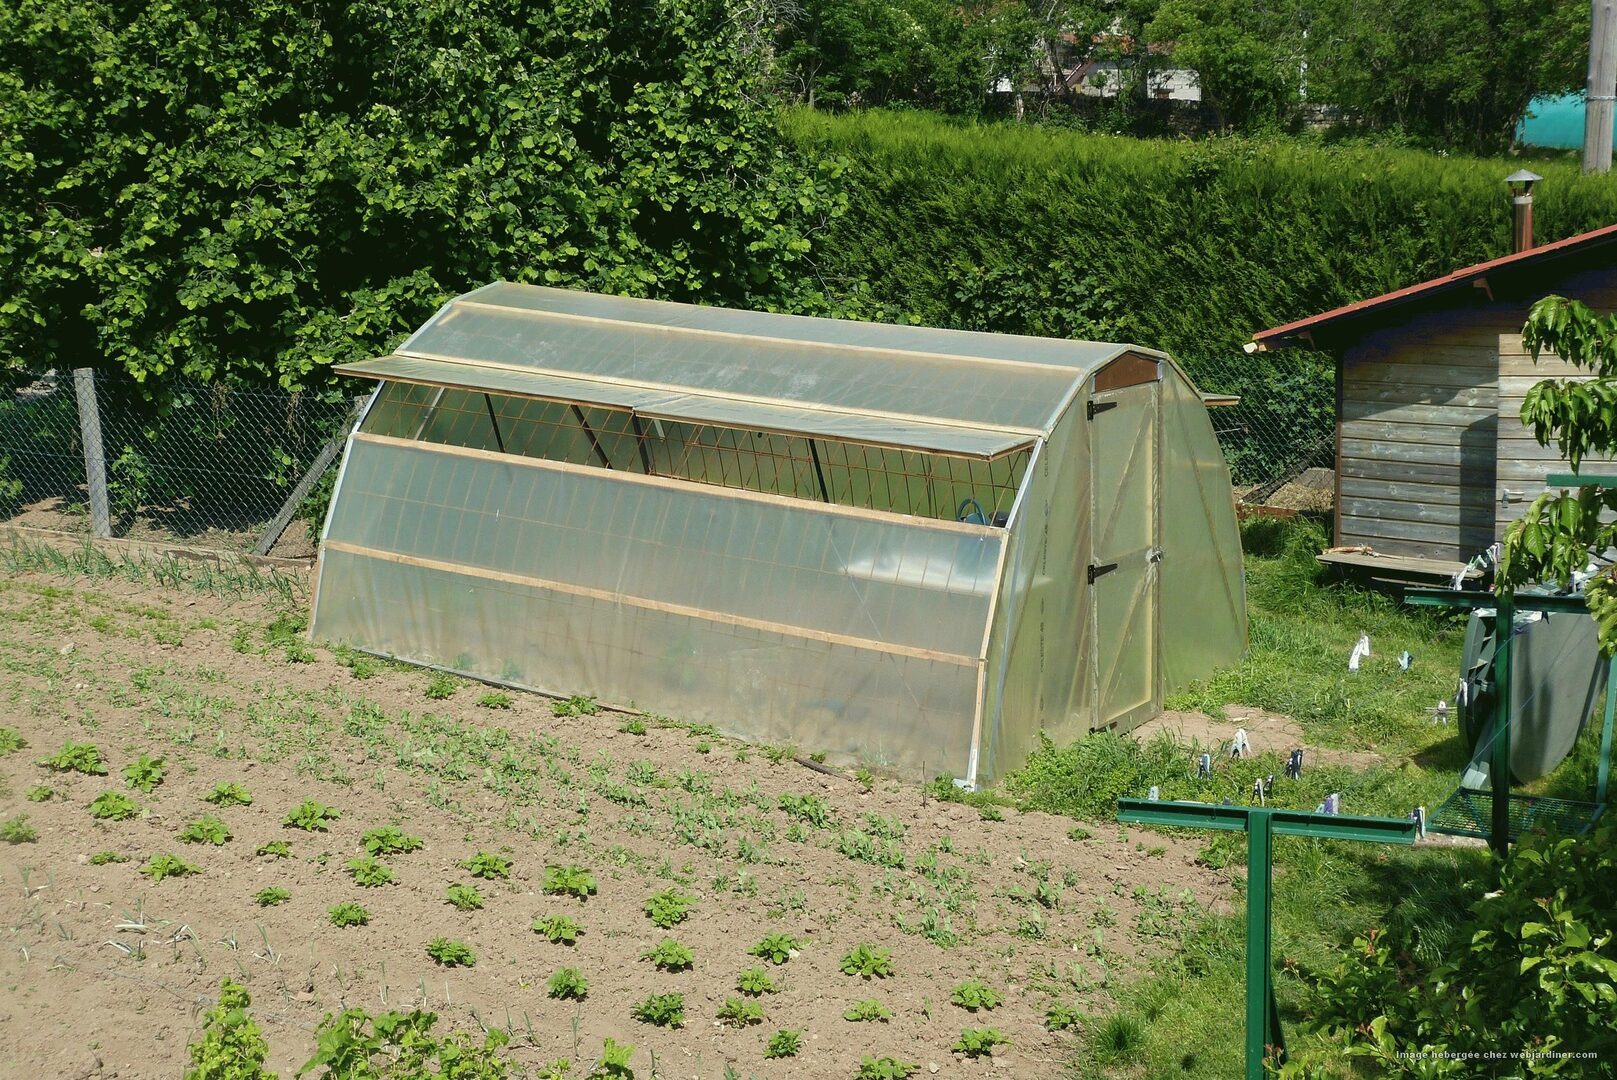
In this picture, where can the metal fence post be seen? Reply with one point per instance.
(95, 456)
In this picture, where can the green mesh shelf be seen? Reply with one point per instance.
(1470, 813)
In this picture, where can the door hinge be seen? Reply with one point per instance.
(1100, 569)
(1094, 407)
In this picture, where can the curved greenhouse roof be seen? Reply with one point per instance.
(952, 391)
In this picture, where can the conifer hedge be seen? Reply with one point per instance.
(1183, 246)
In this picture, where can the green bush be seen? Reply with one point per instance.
(1539, 972)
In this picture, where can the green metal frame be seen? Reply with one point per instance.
(1264, 1037)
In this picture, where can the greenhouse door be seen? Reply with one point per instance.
(1123, 466)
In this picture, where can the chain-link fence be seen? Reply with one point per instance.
(250, 469)
(1283, 421)
(213, 466)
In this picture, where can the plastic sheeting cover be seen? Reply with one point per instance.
(917, 386)
(839, 630)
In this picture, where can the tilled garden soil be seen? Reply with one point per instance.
(105, 972)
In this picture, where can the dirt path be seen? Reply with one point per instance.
(197, 681)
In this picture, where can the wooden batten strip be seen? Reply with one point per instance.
(647, 604)
(678, 388)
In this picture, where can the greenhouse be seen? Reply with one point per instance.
(899, 546)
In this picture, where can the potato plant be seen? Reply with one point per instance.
(885, 1068)
(668, 908)
(205, 830)
(569, 881)
(464, 897)
(448, 953)
(784, 1043)
(867, 1011)
(737, 1013)
(776, 948)
(487, 865)
(567, 984)
(229, 793)
(369, 871)
(348, 914)
(102, 858)
(974, 994)
(557, 929)
(144, 773)
(17, 830)
(311, 815)
(389, 840)
(272, 896)
(669, 955)
(167, 866)
(77, 757)
(661, 1010)
(113, 806)
(867, 962)
(755, 981)
(977, 1042)
(275, 849)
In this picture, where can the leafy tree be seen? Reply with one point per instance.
(261, 189)
(1247, 57)
(1553, 539)
(1458, 73)
(934, 53)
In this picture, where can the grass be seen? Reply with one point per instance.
(229, 579)
(1302, 629)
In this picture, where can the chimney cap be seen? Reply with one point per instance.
(1523, 177)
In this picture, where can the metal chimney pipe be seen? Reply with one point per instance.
(1521, 202)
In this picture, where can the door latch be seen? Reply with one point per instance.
(1100, 570)
(1153, 556)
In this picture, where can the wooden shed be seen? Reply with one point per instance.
(1432, 459)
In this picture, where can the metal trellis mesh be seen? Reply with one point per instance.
(186, 462)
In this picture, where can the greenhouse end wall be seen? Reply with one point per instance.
(855, 633)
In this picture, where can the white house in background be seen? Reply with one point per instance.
(1104, 79)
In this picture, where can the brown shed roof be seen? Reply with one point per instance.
(1278, 335)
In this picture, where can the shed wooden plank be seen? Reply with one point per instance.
(1424, 453)
(1394, 546)
(1406, 510)
(1402, 432)
(1515, 387)
(1384, 469)
(1482, 375)
(1419, 413)
(1446, 494)
(1421, 532)
(1394, 391)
